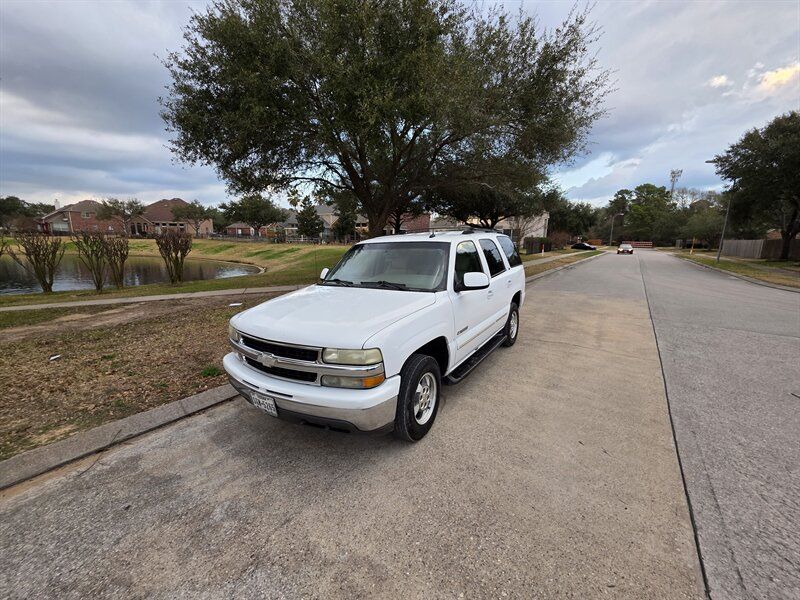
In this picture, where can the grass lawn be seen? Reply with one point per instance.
(115, 361)
(539, 255)
(771, 271)
(531, 268)
(284, 264)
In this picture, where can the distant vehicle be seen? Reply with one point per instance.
(583, 246)
(625, 249)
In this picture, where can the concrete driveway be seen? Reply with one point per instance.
(551, 472)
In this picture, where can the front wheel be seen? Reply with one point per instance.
(418, 400)
(511, 329)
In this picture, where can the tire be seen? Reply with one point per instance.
(412, 422)
(511, 330)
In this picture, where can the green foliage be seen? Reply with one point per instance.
(309, 223)
(12, 207)
(125, 210)
(193, 213)
(385, 100)
(763, 171)
(575, 218)
(255, 210)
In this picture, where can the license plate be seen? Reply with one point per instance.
(264, 402)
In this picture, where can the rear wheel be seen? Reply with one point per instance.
(418, 400)
(511, 329)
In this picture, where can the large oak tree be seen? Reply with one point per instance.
(763, 169)
(384, 99)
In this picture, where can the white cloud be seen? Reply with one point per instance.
(779, 78)
(719, 81)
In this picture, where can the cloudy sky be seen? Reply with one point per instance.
(79, 82)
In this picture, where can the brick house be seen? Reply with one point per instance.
(159, 216)
(81, 216)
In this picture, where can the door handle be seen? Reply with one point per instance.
(490, 294)
(508, 283)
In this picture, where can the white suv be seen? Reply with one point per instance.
(368, 347)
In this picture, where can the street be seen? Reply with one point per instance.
(551, 471)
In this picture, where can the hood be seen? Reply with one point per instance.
(330, 316)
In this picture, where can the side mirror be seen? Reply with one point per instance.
(324, 273)
(475, 281)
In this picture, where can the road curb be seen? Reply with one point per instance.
(533, 278)
(34, 462)
(743, 277)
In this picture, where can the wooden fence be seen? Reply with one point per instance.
(769, 249)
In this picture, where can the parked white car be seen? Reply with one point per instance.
(368, 347)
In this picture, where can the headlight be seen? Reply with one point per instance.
(361, 383)
(232, 333)
(352, 357)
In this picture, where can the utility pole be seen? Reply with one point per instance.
(724, 226)
(611, 237)
(727, 212)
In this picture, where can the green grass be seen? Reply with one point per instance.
(210, 371)
(532, 268)
(539, 255)
(768, 271)
(287, 265)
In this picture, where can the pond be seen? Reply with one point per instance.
(139, 270)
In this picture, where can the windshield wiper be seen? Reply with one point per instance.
(385, 284)
(338, 281)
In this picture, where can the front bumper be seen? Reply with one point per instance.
(369, 410)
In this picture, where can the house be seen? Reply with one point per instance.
(411, 224)
(240, 229)
(159, 216)
(81, 216)
(328, 215)
(517, 228)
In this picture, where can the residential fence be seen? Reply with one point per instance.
(768, 249)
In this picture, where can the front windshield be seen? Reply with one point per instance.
(414, 266)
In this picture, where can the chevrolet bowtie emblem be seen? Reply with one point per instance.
(268, 360)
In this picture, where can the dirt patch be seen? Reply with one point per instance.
(113, 363)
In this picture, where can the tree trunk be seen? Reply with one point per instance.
(787, 244)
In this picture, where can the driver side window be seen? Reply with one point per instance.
(467, 261)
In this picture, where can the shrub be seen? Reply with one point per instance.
(42, 255)
(91, 247)
(173, 247)
(117, 253)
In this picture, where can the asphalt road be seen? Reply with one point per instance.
(731, 357)
(551, 472)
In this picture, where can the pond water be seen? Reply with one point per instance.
(139, 270)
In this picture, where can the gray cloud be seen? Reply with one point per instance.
(79, 83)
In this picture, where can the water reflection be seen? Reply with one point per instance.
(139, 270)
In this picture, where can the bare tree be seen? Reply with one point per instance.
(174, 246)
(124, 210)
(117, 254)
(40, 256)
(91, 247)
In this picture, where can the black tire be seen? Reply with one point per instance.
(511, 339)
(406, 425)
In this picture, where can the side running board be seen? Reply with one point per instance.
(465, 368)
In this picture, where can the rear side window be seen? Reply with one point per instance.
(493, 257)
(511, 252)
(467, 261)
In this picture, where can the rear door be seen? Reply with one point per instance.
(472, 309)
(515, 277)
(500, 284)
